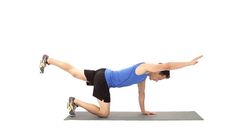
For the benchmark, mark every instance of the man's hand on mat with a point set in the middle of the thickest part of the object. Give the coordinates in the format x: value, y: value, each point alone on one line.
x: 148, y: 113
x: 195, y: 60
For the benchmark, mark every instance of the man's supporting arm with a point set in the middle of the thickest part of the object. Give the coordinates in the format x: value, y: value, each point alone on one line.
x: 141, y: 96
x: 141, y: 92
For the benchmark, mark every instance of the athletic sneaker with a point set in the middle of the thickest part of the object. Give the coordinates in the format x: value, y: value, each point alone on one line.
x: 43, y: 63
x: 71, y: 106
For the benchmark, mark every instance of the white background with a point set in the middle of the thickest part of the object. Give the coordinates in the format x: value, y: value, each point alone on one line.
x: 116, y: 34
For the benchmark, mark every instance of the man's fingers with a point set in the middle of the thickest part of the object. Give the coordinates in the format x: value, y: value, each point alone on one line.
x: 149, y: 113
x: 152, y: 113
x: 198, y: 57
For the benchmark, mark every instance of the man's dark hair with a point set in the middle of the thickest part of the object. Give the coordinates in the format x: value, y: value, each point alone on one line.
x: 165, y: 73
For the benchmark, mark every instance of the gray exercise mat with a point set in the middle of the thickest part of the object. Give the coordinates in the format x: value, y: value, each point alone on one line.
x: 160, y: 116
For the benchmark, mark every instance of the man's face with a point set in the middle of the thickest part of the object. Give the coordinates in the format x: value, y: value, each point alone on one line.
x: 156, y: 76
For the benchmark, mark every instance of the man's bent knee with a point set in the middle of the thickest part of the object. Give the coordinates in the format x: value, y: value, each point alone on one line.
x: 104, y: 114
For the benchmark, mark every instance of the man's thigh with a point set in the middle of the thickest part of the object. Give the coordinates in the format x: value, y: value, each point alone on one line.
x: 78, y: 74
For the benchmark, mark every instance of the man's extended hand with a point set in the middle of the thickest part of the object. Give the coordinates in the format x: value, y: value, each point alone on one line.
x: 148, y: 113
x: 195, y: 60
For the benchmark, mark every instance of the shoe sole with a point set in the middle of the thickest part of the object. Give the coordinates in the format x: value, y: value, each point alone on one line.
x: 70, y: 108
x: 43, y: 63
x: 41, y: 66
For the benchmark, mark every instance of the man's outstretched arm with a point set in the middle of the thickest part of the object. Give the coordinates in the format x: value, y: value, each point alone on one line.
x: 166, y: 66
x: 177, y: 65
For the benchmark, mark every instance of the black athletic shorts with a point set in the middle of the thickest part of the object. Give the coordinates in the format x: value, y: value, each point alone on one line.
x: 98, y: 80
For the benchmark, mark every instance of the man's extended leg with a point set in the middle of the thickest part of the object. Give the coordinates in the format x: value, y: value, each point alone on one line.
x: 102, y: 111
x: 68, y: 68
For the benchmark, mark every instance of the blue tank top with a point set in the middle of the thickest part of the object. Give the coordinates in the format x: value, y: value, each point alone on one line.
x: 124, y: 77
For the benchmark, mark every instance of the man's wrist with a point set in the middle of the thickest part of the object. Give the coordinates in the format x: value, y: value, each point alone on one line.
x: 189, y: 63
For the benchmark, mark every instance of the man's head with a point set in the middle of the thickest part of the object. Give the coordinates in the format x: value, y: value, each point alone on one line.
x: 159, y: 75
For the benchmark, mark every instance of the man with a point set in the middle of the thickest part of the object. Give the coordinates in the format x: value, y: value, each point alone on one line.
x: 103, y: 79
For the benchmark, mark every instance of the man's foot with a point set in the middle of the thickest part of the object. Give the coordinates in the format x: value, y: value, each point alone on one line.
x: 71, y: 106
x: 43, y: 63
